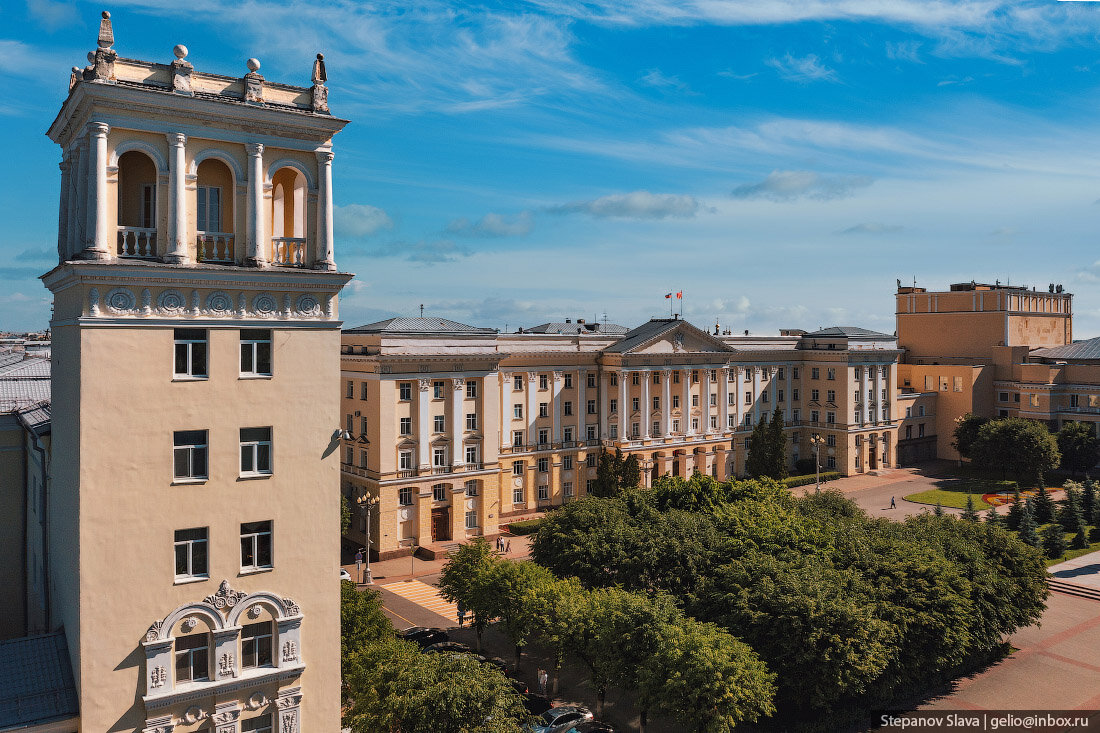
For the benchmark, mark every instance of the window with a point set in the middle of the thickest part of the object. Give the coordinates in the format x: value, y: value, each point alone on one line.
x: 1073, y: 400
x: 695, y: 400
x: 731, y: 398
x: 614, y: 379
x: 815, y: 373
x: 590, y: 460
x: 694, y: 424
x: 815, y: 395
x: 590, y: 432
x: 191, y: 349
x: 1016, y: 397
x: 567, y: 408
x: 349, y: 455
x: 675, y: 426
x: 544, y: 409
x: 613, y: 430
x: 517, y: 383
x: 695, y: 376
x: 544, y: 436
x: 731, y: 374
x: 543, y: 381
x: 189, y: 454
x: 439, y: 457
x: 471, y: 421
x: 830, y: 462
x: 255, y: 451
x: 471, y: 520
x: 148, y: 206
x: 351, y: 389
x: 591, y: 380
x: 1002, y: 396
x: 439, y: 492
x: 404, y: 460
x: 796, y: 413
x: 543, y: 465
x: 363, y: 457
x: 517, y: 495
x: 517, y: 438
x: 589, y: 484
x: 636, y: 429
x: 613, y: 406
x: 656, y: 428
x: 920, y: 430
x: 255, y: 545
x: 471, y: 389
x: 830, y: 373
x: 567, y: 434
x: 349, y: 423
x: 568, y: 382
x: 794, y: 394
x: 657, y: 377
x: 256, y: 645
x: 871, y: 414
x: 592, y: 407
x: 437, y: 390
x: 855, y: 415
x: 815, y: 416
x: 908, y: 432
x: 362, y: 390
x: 439, y: 423
x: 957, y: 384
x: 656, y: 403
x: 471, y: 488
x: 830, y: 395
x: 885, y: 412
x: 943, y: 384
x: 256, y: 354
x: 567, y: 489
x: 192, y: 658
x: 517, y: 411
x: 404, y: 390
x: 713, y: 422
x: 764, y: 395
x: 567, y: 463
x: 405, y: 496
x: 731, y: 421
x: 634, y: 379
x: 794, y: 372
x: 517, y: 468
x: 712, y: 398
x: 406, y: 426
x: 634, y: 403
x: 920, y: 410
x: 191, y: 553
x: 779, y: 395
x: 856, y: 394
x: 1033, y: 400
x: 208, y: 200
x: 830, y: 440
x: 260, y: 724
x: 362, y: 426
x: 544, y: 493
x: 748, y: 398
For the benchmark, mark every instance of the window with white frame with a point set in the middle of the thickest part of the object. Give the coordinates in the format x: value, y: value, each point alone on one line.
x: 794, y: 372
x: 589, y: 485
x: 634, y: 403
x: 567, y: 463
x: 590, y: 460
x: 590, y: 432
x: 567, y: 408
x: 255, y: 451
x: 794, y: 394
x: 471, y: 389
x: 439, y: 492
x: 439, y: 457
x: 636, y: 429
x: 567, y: 489
x: 192, y: 553
x: 544, y: 381
x: 406, y: 426
x: 362, y: 425
x: 694, y: 424
x: 351, y: 389
x: 256, y: 354
x: 471, y: 421
x: 830, y: 395
x: 255, y: 545
x: 256, y: 640
x: 713, y: 422
x: 748, y: 398
x: 656, y: 403
x: 591, y: 379
x: 613, y: 430
x: 544, y: 409
x: 471, y: 487
x: 189, y: 454
x: 349, y: 455
x: 830, y: 417
x: 190, y: 353
x: 815, y: 416
x: 656, y: 428
x: 830, y: 462
x: 471, y: 520
x: 613, y: 406
x: 405, y: 496
x: 731, y: 398
x: 675, y: 425
x: 614, y: 379
x: 695, y: 400
x: 635, y: 379
x: 544, y: 436
x: 517, y: 383
x: 544, y: 492
x: 437, y: 390
x: 192, y: 658
x: 404, y: 391
x: 517, y: 411
x: 517, y: 495
x: 471, y: 454
x: 657, y: 377
x: 568, y: 383
x: 439, y: 423
x: 591, y: 407
x: 404, y: 460
x: 764, y: 396
x: 517, y: 468
x: 712, y: 399
x: 731, y: 421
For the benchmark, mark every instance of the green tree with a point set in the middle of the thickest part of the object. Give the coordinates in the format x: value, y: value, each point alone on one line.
x: 969, y: 514
x: 1015, y: 511
x: 1080, y: 539
x: 994, y: 518
x: 777, y: 446
x: 1088, y: 501
x: 362, y: 621
x: 345, y: 515
x: 966, y: 433
x: 1028, y: 532
x: 1079, y: 447
x: 562, y: 608
x: 758, y: 461
x: 1070, y: 515
x: 1017, y: 445
x: 517, y: 587
x: 465, y: 580
x: 609, y: 469
x: 631, y: 473
x: 1044, y: 507
x: 1053, y: 540
x: 938, y: 509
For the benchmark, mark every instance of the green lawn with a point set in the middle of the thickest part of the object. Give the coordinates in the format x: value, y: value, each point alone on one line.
x: 1071, y: 554
x: 948, y: 497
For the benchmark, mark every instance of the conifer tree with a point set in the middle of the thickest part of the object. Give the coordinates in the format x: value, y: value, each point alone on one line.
x: 1054, y: 541
x: 777, y: 447
x: 969, y: 514
x: 938, y: 510
x: 1080, y: 540
x: 758, y: 461
x: 993, y: 517
x: 1028, y: 532
x: 1044, y: 506
x: 1088, y: 500
x: 1015, y: 512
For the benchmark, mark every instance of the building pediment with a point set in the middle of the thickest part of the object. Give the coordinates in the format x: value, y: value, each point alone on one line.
x: 669, y: 336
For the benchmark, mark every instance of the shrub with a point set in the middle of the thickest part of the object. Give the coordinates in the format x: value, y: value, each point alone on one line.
x: 527, y: 526
x: 792, y: 481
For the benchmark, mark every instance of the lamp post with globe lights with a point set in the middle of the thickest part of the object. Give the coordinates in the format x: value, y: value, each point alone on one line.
x: 816, y: 441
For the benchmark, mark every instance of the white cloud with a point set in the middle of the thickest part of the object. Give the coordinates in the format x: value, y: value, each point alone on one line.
x: 954, y: 81
x: 659, y: 80
x: 424, y: 251
x: 493, y: 225
x: 634, y: 205
x: 360, y: 220
x: 872, y: 227
x: 793, y: 185
x: 904, y: 51
x: 53, y: 15
x: 803, y: 69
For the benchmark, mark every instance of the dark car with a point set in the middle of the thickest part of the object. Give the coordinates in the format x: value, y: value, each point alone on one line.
x: 498, y: 663
x: 561, y: 717
x: 591, y: 726
x: 536, y: 704
x: 519, y: 686
x: 447, y: 646
x: 422, y: 636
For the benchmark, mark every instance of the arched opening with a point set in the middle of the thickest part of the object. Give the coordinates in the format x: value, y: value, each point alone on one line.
x: 288, y: 218
x: 214, y: 212
x: 137, y: 205
x: 441, y: 515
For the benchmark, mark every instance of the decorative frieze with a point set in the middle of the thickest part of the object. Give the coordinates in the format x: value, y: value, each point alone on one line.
x: 216, y: 304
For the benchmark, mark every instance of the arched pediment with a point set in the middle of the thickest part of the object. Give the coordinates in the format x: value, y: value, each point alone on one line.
x: 222, y: 610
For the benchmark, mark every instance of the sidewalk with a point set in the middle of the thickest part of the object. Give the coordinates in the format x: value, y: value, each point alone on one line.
x: 404, y: 568
x: 1084, y: 570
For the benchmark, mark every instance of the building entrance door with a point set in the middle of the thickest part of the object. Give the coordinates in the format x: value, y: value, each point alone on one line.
x: 441, y: 524
x: 872, y: 455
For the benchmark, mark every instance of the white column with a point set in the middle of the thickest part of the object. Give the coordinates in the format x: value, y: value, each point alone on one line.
x: 458, y: 422
x: 96, y: 235
x: 78, y: 179
x: 582, y: 399
x: 176, y: 251
x: 686, y: 411
x: 423, y: 425
x: 623, y: 406
x: 605, y: 405
x: 505, y: 408
x: 755, y: 395
x: 325, y: 239
x: 704, y: 397
x: 666, y: 402
x: 532, y: 409
x: 647, y: 409
x: 63, y: 208
x: 257, y: 245
x: 723, y: 399
x: 555, y: 406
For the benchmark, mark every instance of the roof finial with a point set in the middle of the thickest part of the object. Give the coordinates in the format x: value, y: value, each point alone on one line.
x: 102, y: 61
x: 319, y: 75
x: 253, y: 82
x: 318, y: 97
x: 106, y: 33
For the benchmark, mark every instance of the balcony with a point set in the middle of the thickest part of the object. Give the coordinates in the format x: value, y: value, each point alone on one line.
x: 288, y: 251
x: 439, y: 470
x: 137, y: 242
x: 406, y: 473
x: 215, y: 247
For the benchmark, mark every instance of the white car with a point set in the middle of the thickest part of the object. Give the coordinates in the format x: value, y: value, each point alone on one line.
x: 345, y: 575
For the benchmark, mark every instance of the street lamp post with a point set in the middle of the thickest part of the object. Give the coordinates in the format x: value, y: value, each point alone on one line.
x: 367, y: 505
x: 816, y: 441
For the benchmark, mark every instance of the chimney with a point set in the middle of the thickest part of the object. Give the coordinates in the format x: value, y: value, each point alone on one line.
x: 579, y: 320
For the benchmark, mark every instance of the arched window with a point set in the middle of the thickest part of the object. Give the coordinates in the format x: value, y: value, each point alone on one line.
x: 137, y: 205
x: 214, y: 212
x: 288, y: 218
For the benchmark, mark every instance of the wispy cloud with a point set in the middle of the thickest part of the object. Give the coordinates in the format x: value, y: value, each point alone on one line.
x: 634, y: 205
x: 424, y: 251
x: 794, y: 185
x: 43, y: 254
x: 873, y: 227
x: 52, y: 14
x: 803, y: 69
x: 904, y: 51
x: 493, y: 225
x: 360, y: 220
x: 1003, y: 232
x: 659, y: 80
x: 954, y: 81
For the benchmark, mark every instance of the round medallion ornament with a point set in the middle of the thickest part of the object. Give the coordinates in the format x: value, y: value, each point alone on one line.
x: 171, y: 302
x: 264, y: 305
x: 308, y: 306
x: 404, y: 514
x: 254, y: 612
x: 517, y: 482
x: 257, y: 701
x: 121, y: 300
x: 591, y: 473
x: 219, y: 303
x: 470, y: 505
x: 188, y: 624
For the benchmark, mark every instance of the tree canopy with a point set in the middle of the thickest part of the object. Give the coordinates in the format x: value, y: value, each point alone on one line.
x: 1024, y: 448
x: 1079, y: 447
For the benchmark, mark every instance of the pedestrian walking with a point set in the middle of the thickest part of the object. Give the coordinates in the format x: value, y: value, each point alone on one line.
x: 461, y: 614
x: 359, y: 566
x: 542, y: 681
x: 892, y: 504
x: 507, y: 547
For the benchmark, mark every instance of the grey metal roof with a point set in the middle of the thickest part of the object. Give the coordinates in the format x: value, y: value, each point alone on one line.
x: 24, y: 383
x: 37, y: 417
x: 847, y: 332
x: 654, y: 329
x: 596, y: 327
x: 36, y: 681
x: 1089, y: 349
x: 419, y: 325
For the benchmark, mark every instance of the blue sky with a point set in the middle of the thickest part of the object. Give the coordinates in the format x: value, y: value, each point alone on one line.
x: 511, y: 163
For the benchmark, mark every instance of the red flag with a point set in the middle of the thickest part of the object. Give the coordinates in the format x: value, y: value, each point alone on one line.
x: 680, y: 294
x: 668, y: 295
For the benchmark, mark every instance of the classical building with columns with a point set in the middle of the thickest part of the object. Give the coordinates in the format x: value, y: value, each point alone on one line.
x: 190, y: 533
x: 450, y: 429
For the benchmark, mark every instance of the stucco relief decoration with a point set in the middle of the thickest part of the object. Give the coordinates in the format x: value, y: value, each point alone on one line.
x: 290, y: 722
x: 242, y: 306
x: 286, y: 306
x: 154, y: 631
x: 195, y: 302
x: 330, y: 306
x: 231, y: 728
x: 264, y: 305
x: 290, y: 701
x: 309, y: 306
x: 194, y: 714
x: 228, y: 716
x: 93, y: 301
x: 257, y: 701
x: 219, y: 303
x: 290, y: 607
x: 425, y: 384
x: 188, y: 624
x: 225, y: 665
x: 226, y: 597
x: 158, y: 676
x: 254, y: 612
x: 171, y: 303
x: 146, y: 302
x: 404, y: 514
x: 290, y: 651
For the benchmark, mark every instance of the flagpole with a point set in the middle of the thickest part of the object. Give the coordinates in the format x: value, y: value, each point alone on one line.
x: 670, y: 306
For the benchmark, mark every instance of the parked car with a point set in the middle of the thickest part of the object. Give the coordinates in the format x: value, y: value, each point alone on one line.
x: 536, y: 704
x: 447, y: 646
x: 498, y: 663
x: 561, y: 717
x: 519, y: 686
x: 590, y: 726
x: 344, y: 574
x: 422, y: 636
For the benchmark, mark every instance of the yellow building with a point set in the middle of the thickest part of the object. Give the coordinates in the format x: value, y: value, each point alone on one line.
x: 192, y: 514
x: 451, y: 430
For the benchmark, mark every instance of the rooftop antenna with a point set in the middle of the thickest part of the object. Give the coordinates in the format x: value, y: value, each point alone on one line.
x: 421, y: 310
